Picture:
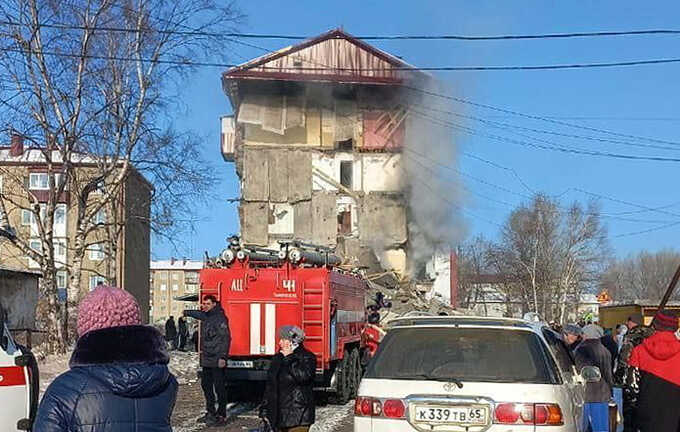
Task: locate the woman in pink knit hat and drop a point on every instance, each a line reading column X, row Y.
column 118, row 379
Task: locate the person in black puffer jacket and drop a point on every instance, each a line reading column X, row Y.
column 214, row 343
column 289, row 396
column 118, row 379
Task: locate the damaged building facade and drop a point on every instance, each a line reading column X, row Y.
column 316, row 139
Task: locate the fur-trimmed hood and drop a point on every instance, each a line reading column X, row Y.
column 130, row 360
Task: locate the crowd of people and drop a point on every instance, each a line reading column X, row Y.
column 119, row 379
column 642, row 361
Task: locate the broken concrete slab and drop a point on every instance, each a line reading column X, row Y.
column 278, row 175
column 383, row 221
column 255, row 175
column 324, row 218
column 299, row 175
column 303, row 220
column 254, row 217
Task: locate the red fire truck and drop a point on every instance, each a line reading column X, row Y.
column 262, row 290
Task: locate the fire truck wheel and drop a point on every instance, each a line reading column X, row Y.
column 344, row 390
column 356, row 371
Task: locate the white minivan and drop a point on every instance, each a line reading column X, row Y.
column 18, row 383
column 471, row 374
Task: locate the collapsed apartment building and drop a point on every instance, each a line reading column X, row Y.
column 317, row 139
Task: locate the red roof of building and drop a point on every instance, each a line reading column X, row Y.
column 334, row 56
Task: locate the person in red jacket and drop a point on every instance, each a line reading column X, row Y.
column 658, row 360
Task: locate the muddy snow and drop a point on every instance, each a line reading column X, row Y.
column 190, row 403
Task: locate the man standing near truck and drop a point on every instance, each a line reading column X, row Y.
column 214, row 341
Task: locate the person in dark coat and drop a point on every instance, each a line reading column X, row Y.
column 214, row 342
column 609, row 342
column 591, row 352
column 289, row 404
column 628, row 377
column 572, row 336
column 658, row 360
column 183, row 331
column 118, row 379
column 171, row 332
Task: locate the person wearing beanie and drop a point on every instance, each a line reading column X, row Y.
column 118, row 379
column 288, row 404
column 657, row 359
column 572, row 335
column 591, row 352
column 628, row 377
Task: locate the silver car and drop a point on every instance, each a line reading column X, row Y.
column 471, row 374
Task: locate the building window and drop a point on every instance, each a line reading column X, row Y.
column 60, row 214
column 96, row 252
column 95, row 281
column 175, row 287
column 26, row 217
column 164, row 287
column 100, row 217
column 190, row 288
column 61, row 279
column 191, row 277
column 175, row 276
column 60, row 251
column 38, row 181
column 346, row 174
column 35, row 245
column 164, row 275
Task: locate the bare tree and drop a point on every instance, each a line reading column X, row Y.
column 472, row 262
column 643, row 276
column 550, row 255
column 94, row 80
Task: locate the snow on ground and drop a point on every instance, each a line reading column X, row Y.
column 190, row 403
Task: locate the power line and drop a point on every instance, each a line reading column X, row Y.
column 537, row 117
column 547, row 145
column 374, row 37
column 506, row 126
column 563, row 211
column 393, row 68
column 448, row 201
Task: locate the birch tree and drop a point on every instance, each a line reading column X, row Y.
column 98, row 79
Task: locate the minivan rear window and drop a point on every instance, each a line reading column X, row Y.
column 466, row 354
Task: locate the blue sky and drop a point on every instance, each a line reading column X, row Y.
column 634, row 100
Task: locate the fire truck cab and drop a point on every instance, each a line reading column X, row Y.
column 18, row 383
column 260, row 291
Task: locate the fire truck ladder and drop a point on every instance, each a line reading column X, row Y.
column 312, row 322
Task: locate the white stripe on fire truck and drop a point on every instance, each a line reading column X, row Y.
column 270, row 329
column 255, row 328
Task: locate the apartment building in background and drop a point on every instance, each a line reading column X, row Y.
column 24, row 172
column 171, row 279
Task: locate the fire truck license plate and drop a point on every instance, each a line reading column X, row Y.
column 451, row 415
column 240, row 364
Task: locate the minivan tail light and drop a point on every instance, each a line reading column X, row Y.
column 363, row 406
column 373, row 407
column 528, row 413
column 394, row 408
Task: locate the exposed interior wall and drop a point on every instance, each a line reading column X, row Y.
column 304, row 175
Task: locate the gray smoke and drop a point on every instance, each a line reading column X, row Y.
column 433, row 188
